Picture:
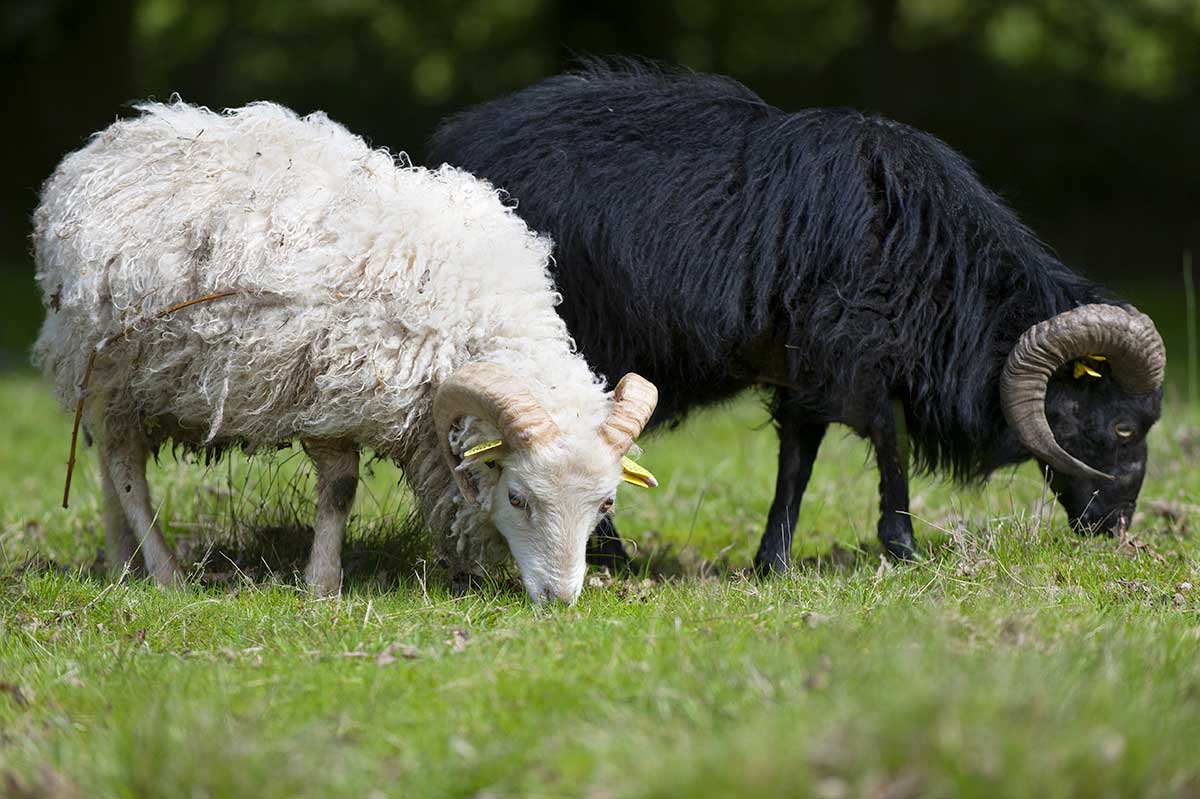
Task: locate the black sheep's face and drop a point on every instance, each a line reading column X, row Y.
column 1097, row 422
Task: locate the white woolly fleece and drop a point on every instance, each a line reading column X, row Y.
column 366, row 282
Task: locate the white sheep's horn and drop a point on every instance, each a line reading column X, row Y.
column 493, row 393
column 633, row 402
column 1125, row 337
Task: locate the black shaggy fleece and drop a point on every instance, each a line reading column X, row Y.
column 711, row 241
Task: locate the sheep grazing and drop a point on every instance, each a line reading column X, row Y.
column 364, row 304
column 854, row 266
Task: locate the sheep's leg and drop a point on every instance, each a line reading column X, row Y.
column 605, row 547
column 125, row 455
column 798, row 445
column 895, row 524
column 120, row 544
column 337, row 482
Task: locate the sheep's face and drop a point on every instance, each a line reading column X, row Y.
column 1098, row 423
column 543, row 488
column 546, row 503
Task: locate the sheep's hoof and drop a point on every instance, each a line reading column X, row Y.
column 901, row 549
column 131, row 567
column 608, row 551
column 323, row 582
column 769, row 564
column 167, row 574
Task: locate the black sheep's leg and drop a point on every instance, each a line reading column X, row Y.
column 605, row 547
column 895, row 524
column 798, row 445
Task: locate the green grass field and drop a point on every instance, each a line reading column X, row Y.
column 1015, row 659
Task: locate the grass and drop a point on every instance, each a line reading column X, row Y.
column 1015, row 659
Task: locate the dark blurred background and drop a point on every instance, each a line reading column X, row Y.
column 1083, row 113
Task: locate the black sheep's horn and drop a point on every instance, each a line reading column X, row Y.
column 1126, row 337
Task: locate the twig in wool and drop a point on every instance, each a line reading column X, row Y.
column 104, row 342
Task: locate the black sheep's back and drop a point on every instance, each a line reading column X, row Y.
column 708, row 241
column 664, row 207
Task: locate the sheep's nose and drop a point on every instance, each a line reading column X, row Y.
column 553, row 593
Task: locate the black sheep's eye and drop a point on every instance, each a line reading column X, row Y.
column 516, row 500
column 1123, row 430
column 607, row 505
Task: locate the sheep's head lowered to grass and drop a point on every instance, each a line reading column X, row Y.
column 1088, row 381
column 545, row 489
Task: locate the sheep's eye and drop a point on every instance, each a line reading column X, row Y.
column 516, row 500
column 1123, row 430
column 607, row 505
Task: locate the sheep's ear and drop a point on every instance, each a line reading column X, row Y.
column 636, row 475
column 463, row 473
column 487, row 452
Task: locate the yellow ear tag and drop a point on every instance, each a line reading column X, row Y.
column 636, row 475
column 1082, row 368
column 484, row 447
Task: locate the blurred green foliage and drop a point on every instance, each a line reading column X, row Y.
column 1083, row 113
column 1146, row 47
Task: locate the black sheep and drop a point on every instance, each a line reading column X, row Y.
column 855, row 265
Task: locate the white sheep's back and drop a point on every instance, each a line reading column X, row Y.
column 361, row 283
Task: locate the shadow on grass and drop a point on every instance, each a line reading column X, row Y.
column 656, row 558
column 375, row 558
column 386, row 557
column 273, row 554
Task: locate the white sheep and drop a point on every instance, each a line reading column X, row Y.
column 376, row 305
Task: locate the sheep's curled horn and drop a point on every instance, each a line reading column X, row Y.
column 1126, row 337
column 490, row 392
column 634, row 400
